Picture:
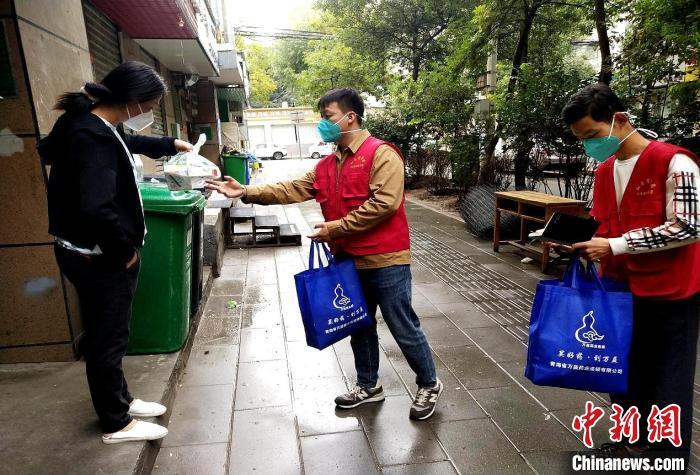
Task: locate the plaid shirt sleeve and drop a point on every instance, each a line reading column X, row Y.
column 683, row 224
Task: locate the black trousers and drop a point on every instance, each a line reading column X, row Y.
column 105, row 295
column 662, row 365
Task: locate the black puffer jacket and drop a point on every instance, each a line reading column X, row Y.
column 93, row 197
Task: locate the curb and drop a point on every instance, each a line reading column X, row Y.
column 149, row 451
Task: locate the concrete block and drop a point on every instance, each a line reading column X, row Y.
column 214, row 240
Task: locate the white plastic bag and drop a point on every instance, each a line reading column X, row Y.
column 188, row 170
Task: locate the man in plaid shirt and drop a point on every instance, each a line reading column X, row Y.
column 645, row 198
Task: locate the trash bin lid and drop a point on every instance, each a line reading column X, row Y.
column 157, row 197
column 234, row 155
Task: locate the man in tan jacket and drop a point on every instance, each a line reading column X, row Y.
column 360, row 191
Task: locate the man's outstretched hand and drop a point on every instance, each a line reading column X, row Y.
column 228, row 186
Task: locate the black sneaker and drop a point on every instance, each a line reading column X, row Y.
column 359, row 395
column 426, row 401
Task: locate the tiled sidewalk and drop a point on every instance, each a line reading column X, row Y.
column 256, row 399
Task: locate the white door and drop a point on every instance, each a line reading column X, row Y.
column 283, row 135
column 256, row 135
column 309, row 134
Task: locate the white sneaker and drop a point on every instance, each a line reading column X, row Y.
column 141, row 430
column 141, row 408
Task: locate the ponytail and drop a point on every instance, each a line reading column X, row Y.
column 80, row 102
column 129, row 82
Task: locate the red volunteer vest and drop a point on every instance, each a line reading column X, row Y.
column 672, row 274
column 340, row 192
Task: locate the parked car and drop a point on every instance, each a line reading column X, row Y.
column 323, row 149
column 275, row 152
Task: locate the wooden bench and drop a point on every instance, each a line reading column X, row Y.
column 531, row 207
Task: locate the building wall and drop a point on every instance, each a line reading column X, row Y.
column 49, row 55
column 208, row 118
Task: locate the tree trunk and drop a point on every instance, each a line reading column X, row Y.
column 646, row 105
column 530, row 12
column 416, row 68
column 520, row 166
column 603, row 42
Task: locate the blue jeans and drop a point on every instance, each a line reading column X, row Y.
column 390, row 289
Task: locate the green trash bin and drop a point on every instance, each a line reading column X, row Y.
column 235, row 166
column 161, row 308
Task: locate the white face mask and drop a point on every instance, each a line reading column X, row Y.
column 139, row 122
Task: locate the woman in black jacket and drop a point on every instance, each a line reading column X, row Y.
column 96, row 216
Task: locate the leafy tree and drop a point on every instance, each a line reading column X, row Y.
column 405, row 32
column 333, row 64
column 525, row 31
column 660, row 37
column 262, row 84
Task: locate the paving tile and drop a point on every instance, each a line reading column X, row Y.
column 465, row 315
column 395, row 438
column 442, row 333
column 237, row 271
column 346, row 452
column 315, row 408
column 262, row 344
column 599, row 432
column 440, row 293
column 266, row 315
column 499, row 344
column 477, row 447
column 472, row 368
column 422, row 306
column 454, row 404
column 307, row 362
column 209, row 365
column 422, row 275
column 264, row 441
column 233, row 287
column 257, row 276
column 433, row 468
column 209, row 459
column 294, row 330
column 481, row 258
column 261, row 294
column 262, row 384
column 201, row 415
column 388, row 378
column 235, row 256
column 217, row 331
column 223, row 306
column 552, row 398
column 524, row 421
column 550, row 463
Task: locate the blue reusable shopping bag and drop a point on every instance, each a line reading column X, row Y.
column 580, row 332
column 331, row 300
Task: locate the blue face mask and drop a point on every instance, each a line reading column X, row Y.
column 601, row 148
column 330, row 131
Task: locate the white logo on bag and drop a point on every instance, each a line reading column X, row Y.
column 586, row 334
column 341, row 302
